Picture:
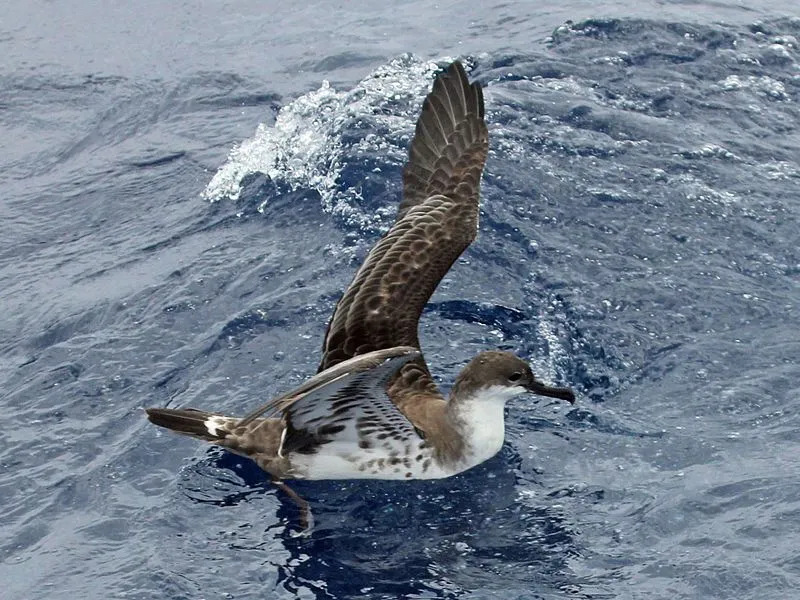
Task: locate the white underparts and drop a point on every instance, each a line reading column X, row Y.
column 338, row 460
column 482, row 422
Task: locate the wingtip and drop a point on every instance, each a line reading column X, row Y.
column 457, row 67
column 456, row 70
column 478, row 88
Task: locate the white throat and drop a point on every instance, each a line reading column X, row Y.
column 482, row 421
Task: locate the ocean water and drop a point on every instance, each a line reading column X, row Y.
column 188, row 188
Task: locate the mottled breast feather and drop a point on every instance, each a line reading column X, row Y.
column 436, row 221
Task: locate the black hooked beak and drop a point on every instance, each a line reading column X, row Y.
column 537, row 387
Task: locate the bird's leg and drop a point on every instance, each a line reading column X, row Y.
column 306, row 518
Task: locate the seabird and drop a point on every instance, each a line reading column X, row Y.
column 373, row 409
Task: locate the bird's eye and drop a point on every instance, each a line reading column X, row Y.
column 514, row 377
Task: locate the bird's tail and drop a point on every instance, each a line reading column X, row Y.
column 194, row 423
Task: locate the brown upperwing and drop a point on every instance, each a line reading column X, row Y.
column 436, row 221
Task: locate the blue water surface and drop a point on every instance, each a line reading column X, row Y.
column 188, row 188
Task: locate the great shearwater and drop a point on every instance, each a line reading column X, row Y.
column 373, row 409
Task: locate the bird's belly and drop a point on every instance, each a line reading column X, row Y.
column 334, row 461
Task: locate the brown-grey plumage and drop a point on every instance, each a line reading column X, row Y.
column 436, row 221
column 373, row 409
column 450, row 144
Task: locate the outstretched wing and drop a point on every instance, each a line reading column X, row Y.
column 436, row 221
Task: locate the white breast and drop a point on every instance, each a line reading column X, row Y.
column 482, row 421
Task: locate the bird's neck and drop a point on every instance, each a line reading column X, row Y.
column 479, row 418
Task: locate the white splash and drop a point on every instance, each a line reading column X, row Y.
column 304, row 149
column 299, row 148
column 764, row 85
